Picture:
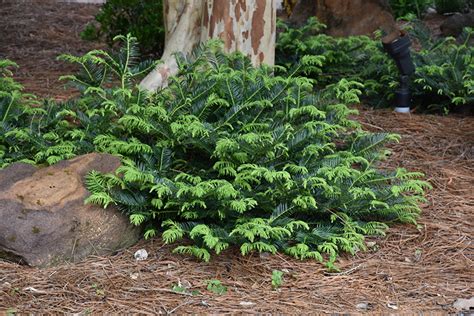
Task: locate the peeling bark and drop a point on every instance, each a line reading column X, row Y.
column 182, row 20
column 243, row 25
column 248, row 26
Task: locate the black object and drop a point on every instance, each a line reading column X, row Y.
column 399, row 50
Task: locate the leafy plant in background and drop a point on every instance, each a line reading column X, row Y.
column 443, row 78
column 142, row 18
column 450, row 6
column 13, row 102
column 10, row 93
column 404, row 7
column 355, row 58
column 227, row 155
column 16, row 109
column 445, row 73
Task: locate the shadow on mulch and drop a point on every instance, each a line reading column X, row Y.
column 411, row 270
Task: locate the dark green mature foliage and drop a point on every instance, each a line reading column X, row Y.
column 230, row 154
column 142, row 18
column 443, row 77
column 445, row 72
column 356, row 58
column 450, row 6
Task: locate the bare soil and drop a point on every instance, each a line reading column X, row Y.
column 412, row 270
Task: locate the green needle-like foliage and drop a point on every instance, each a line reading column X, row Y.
column 444, row 68
column 228, row 154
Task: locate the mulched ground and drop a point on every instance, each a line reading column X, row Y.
column 35, row 33
column 410, row 270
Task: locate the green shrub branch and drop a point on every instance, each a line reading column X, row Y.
column 226, row 155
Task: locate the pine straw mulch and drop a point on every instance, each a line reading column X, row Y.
column 34, row 33
column 414, row 270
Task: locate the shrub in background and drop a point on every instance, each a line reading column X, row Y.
column 356, row 58
column 142, row 18
column 449, row 6
column 443, row 77
column 445, row 73
column 402, row 8
column 228, row 154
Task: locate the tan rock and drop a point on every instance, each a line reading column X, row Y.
column 43, row 218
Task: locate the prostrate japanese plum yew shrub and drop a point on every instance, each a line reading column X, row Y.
column 16, row 109
column 229, row 154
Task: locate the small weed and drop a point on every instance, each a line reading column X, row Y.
column 277, row 278
column 182, row 290
column 11, row 312
column 98, row 290
column 90, row 33
column 215, row 286
column 178, row 289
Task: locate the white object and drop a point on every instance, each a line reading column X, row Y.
column 141, row 255
column 363, row 306
column 464, row 304
column 392, row 305
column 402, row 110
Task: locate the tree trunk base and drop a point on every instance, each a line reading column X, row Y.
column 248, row 26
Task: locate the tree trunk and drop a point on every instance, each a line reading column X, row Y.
column 182, row 19
column 244, row 25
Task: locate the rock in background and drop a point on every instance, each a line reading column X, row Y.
column 454, row 25
column 346, row 17
column 43, row 218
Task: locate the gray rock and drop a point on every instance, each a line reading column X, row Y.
column 140, row 255
column 43, row 218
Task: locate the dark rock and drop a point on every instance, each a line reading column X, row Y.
column 43, row 218
column 347, row 17
column 454, row 25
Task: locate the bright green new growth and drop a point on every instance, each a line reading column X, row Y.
column 277, row 278
column 227, row 155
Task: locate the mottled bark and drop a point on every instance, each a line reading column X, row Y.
column 244, row 25
column 182, row 20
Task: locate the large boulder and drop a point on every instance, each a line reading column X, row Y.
column 346, row 17
column 43, row 218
